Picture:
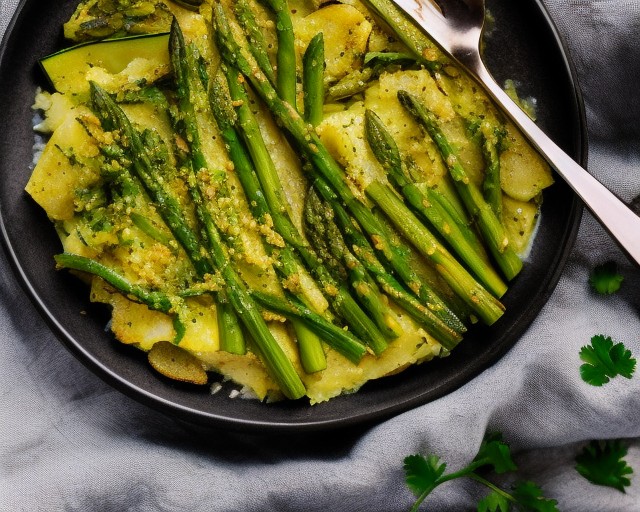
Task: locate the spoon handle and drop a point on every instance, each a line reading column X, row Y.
column 616, row 217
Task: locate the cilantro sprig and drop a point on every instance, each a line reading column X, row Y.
column 424, row 473
column 604, row 360
column 605, row 279
column 602, row 463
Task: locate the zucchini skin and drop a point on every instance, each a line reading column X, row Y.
column 66, row 70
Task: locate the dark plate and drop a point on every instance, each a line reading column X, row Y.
column 524, row 46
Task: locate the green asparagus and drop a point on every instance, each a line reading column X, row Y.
column 186, row 76
column 325, row 164
column 312, row 80
column 321, row 229
column 155, row 300
column 485, row 305
column 287, row 80
column 310, row 348
column 257, row 43
column 490, row 226
column 387, row 153
column 361, row 247
column 342, row 302
column 277, row 363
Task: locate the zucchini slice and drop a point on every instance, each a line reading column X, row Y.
column 67, row 69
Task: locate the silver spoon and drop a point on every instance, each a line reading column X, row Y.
column 456, row 26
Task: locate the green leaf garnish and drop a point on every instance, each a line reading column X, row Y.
column 494, row 502
column 529, row 496
column 604, row 360
column 605, row 278
column 602, row 463
column 495, row 452
column 424, row 473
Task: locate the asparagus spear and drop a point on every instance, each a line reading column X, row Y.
column 262, row 162
column 255, row 37
column 319, row 216
column 225, row 117
column 310, row 349
column 380, row 60
column 362, row 281
column 444, row 198
column 167, row 206
column 231, row 337
column 286, row 56
column 424, row 315
column 490, row 226
column 326, row 166
column 264, row 166
column 487, row 307
column 155, row 300
column 415, row 40
column 320, row 226
column 387, row 153
column 491, row 141
column 354, row 83
column 186, row 76
column 312, row 80
column 359, row 80
column 275, row 360
column 311, row 353
column 340, row 339
column 145, row 225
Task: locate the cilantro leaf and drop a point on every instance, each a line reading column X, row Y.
column 494, row 502
column 604, row 360
column 602, row 463
column 422, row 473
column 496, row 453
column 529, row 496
column 605, row 279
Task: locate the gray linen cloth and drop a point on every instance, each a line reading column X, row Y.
column 70, row 442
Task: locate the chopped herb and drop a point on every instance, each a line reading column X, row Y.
column 605, row 279
column 604, row 360
column 602, row 463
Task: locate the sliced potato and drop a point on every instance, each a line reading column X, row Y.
column 382, row 98
column 176, row 363
column 520, row 219
column 341, row 376
column 523, row 172
column 64, row 166
column 346, row 33
column 343, row 135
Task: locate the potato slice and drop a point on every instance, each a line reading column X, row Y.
column 523, row 172
column 64, row 166
column 520, row 219
column 177, row 364
column 346, row 33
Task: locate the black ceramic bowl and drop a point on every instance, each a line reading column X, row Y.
column 524, row 46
